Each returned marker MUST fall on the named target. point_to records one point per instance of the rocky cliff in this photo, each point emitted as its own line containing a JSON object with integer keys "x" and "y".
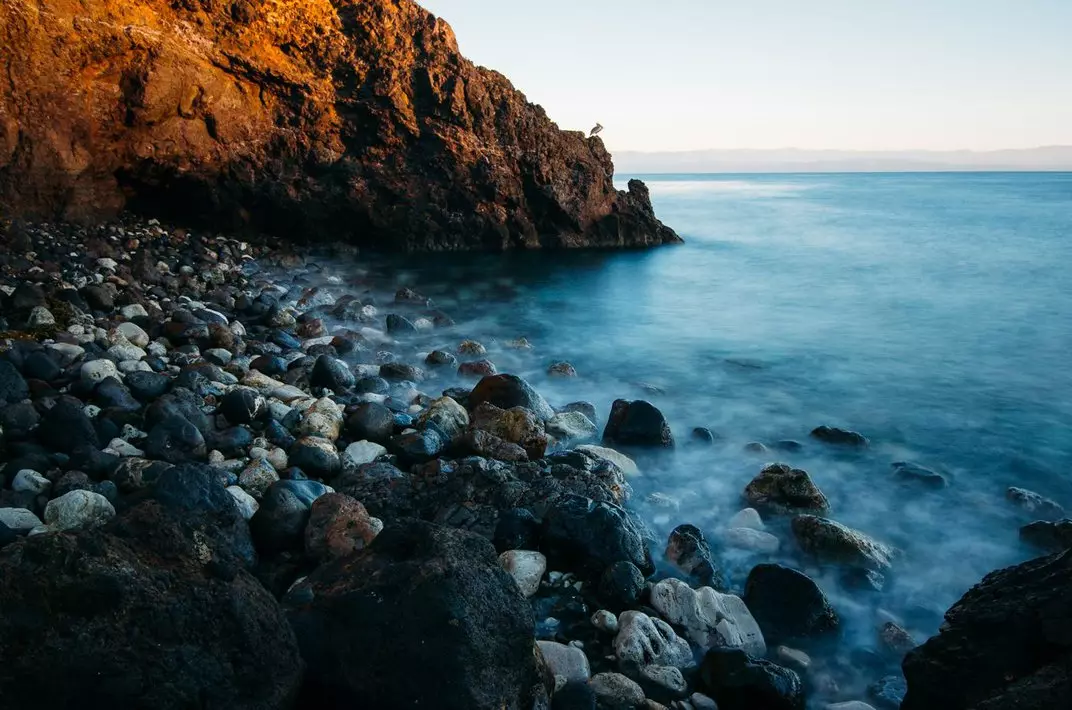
{"x": 353, "y": 120}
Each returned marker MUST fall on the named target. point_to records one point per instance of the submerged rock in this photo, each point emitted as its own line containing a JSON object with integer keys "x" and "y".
{"x": 1035, "y": 504}
{"x": 1051, "y": 536}
{"x": 687, "y": 549}
{"x": 840, "y": 437}
{"x": 739, "y": 682}
{"x": 788, "y": 604}
{"x": 1005, "y": 644}
{"x": 422, "y": 597}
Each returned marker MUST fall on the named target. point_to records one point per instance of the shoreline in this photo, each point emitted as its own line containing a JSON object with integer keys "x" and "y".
{"x": 207, "y": 419}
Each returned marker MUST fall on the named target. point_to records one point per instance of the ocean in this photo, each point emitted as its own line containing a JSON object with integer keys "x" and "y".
{"x": 930, "y": 312}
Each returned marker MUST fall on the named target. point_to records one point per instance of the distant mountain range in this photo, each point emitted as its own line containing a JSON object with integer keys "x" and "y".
{"x": 1058, "y": 157}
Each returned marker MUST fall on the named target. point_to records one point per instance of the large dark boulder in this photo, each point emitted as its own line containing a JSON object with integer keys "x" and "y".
{"x": 1048, "y": 535}
{"x": 1006, "y": 644}
{"x": 13, "y": 387}
{"x": 788, "y": 604}
{"x": 138, "y": 616}
{"x": 584, "y": 536}
{"x": 66, "y": 427}
{"x": 175, "y": 440}
{"x": 371, "y": 421}
{"x": 425, "y": 617}
{"x": 358, "y": 120}
{"x": 637, "y": 423}
{"x": 739, "y": 682}
{"x": 507, "y": 392}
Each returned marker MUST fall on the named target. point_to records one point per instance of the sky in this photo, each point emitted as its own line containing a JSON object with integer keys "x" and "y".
{"x": 845, "y": 74}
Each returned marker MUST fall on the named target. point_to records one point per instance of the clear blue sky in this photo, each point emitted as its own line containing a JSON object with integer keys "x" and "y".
{"x": 850, "y": 74}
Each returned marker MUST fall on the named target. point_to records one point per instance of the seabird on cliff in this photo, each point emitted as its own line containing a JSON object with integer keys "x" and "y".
{"x": 595, "y": 131}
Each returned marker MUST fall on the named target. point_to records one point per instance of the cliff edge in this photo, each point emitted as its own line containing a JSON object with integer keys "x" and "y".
{"x": 352, "y": 120}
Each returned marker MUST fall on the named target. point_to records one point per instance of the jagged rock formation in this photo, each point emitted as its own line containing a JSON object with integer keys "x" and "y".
{"x": 353, "y": 120}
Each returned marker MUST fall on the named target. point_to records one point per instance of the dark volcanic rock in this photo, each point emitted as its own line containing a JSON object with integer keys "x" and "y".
{"x": 1048, "y": 535}
{"x": 1006, "y": 644}
{"x": 66, "y": 427}
{"x": 393, "y": 138}
{"x": 147, "y": 386}
{"x": 242, "y": 405}
{"x": 788, "y": 605}
{"x": 587, "y": 537}
{"x": 176, "y": 440}
{"x": 687, "y": 549}
{"x": 637, "y": 423}
{"x": 136, "y": 618}
{"x": 738, "y": 682}
{"x": 620, "y": 585}
{"x": 421, "y": 597}
{"x": 508, "y": 391}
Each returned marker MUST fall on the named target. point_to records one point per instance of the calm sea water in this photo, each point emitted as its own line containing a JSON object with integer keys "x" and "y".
{"x": 931, "y": 312}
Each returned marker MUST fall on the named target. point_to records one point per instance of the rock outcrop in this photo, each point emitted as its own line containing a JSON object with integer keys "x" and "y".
{"x": 1006, "y": 644}
{"x": 349, "y": 120}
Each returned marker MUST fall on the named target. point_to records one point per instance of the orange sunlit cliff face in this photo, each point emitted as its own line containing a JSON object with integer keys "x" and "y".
{"x": 357, "y": 120}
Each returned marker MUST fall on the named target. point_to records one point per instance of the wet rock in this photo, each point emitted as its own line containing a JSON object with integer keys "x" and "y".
{"x": 788, "y": 604}
{"x": 605, "y": 621}
{"x": 315, "y": 456}
{"x": 18, "y": 420}
{"x": 644, "y": 641}
{"x": 13, "y": 387}
{"x": 709, "y": 618}
{"x": 242, "y": 405}
{"x": 446, "y": 415}
{"x": 739, "y": 682}
{"x": 78, "y": 510}
{"x": 1004, "y": 644}
{"x": 702, "y": 436}
{"x": 175, "y": 440}
{"x": 662, "y": 683}
{"x": 279, "y": 524}
{"x": 417, "y": 447}
{"x": 32, "y": 482}
{"x": 424, "y": 597}
{"x": 477, "y": 368}
{"x": 895, "y": 639}
{"x": 620, "y": 585}
{"x": 517, "y": 529}
{"x": 372, "y": 422}
{"x": 517, "y": 426}
{"x": 687, "y": 549}
{"x": 920, "y": 475}
{"x": 133, "y": 603}
{"x": 66, "y": 427}
{"x": 112, "y": 393}
{"x": 508, "y": 391}
{"x": 440, "y": 358}
{"x": 583, "y": 535}
{"x": 637, "y": 423}
{"x": 338, "y": 526}
{"x": 527, "y": 568}
{"x": 247, "y": 504}
{"x": 1034, "y": 504}
{"x": 257, "y": 477}
{"x": 322, "y": 419}
{"x": 1048, "y": 535}
{"x": 626, "y": 464}
{"x": 840, "y": 437}
{"x": 571, "y": 426}
{"x": 397, "y": 372}
{"x": 360, "y": 453}
{"x": 477, "y": 442}
{"x": 616, "y": 692}
{"x": 565, "y": 661}
{"x": 41, "y": 365}
{"x": 561, "y": 369}
{"x": 332, "y": 374}
{"x": 784, "y": 490}
{"x": 888, "y": 693}
{"x": 831, "y": 542}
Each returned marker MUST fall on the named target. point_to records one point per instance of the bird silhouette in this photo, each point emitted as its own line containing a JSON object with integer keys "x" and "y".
{"x": 595, "y": 131}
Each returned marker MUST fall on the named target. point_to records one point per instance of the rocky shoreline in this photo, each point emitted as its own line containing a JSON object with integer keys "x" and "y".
{"x": 226, "y": 487}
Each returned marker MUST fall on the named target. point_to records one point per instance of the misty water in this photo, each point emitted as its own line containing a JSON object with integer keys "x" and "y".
{"x": 930, "y": 312}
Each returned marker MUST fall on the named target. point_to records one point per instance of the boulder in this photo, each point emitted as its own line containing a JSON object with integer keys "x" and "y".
{"x": 831, "y": 542}
{"x": 840, "y": 437}
{"x": 507, "y": 392}
{"x": 242, "y": 405}
{"x": 571, "y": 426}
{"x": 257, "y": 477}
{"x": 626, "y": 464}
{"x": 1005, "y": 644}
{"x": 638, "y": 424}
{"x": 1035, "y": 504}
{"x": 316, "y": 457}
{"x": 360, "y": 453}
{"x": 621, "y": 585}
{"x": 737, "y": 681}
{"x": 784, "y": 490}
{"x": 477, "y": 442}
{"x": 687, "y": 549}
{"x": 138, "y": 617}
{"x": 13, "y": 387}
{"x": 332, "y": 374}
{"x": 751, "y": 539}
{"x": 582, "y": 535}
{"x": 78, "y": 510}
{"x": 279, "y": 524}
{"x": 565, "y": 661}
{"x": 1048, "y": 535}
{"x": 372, "y": 422}
{"x": 516, "y": 426}
{"x": 526, "y": 567}
{"x": 918, "y": 475}
{"x": 614, "y": 691}
{"x": 338, "y": 526}
{"x": 710, "y": 618}
{"x": 644, "y": 641}
{"x": 322, "y": 419}
{"x": 788, "y": 604}
{"x": 175, "y": 440}
{"x": 66, "y": 427}
{"x": 446, "y": 415}
{"x": 421, "y": 597}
